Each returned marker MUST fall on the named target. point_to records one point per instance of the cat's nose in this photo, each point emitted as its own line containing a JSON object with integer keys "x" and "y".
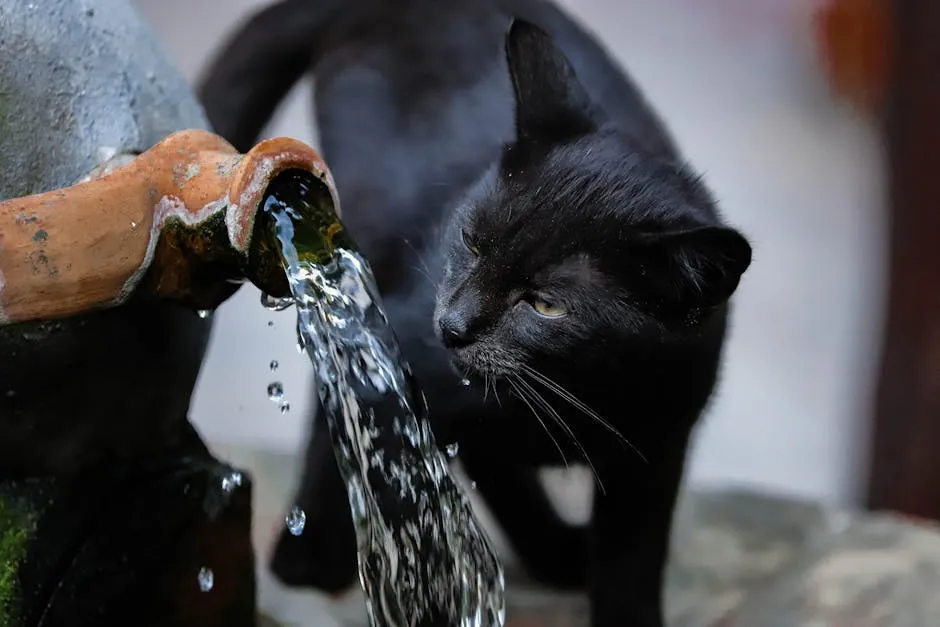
{"x": 455, "y": 331}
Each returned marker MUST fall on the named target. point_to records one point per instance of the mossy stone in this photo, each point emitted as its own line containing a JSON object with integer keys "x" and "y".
{"x": 17, "y": 525}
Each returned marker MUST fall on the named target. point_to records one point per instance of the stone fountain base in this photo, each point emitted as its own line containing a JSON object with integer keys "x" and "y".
{"x": 743, "y": 560}
{"x": 739, "y": 560}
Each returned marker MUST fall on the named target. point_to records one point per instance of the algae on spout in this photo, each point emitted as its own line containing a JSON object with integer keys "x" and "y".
{"x": 16, "y": 528}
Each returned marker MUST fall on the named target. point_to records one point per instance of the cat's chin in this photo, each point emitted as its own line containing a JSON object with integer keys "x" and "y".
{"x": 475, "y": 376}
{"x": 473, "y": 370}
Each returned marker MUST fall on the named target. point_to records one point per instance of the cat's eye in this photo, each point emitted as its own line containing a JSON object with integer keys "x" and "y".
{"x": 470, "y": 244}
{"x": 547, "y": 308}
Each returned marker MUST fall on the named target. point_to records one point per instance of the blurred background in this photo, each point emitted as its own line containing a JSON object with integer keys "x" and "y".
{"x": 742, "y": 86}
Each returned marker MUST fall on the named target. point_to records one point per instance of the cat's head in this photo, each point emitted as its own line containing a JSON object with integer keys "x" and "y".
{"x": 576, "y": 245}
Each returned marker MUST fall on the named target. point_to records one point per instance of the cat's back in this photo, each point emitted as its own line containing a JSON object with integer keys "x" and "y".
{"x": 419, "y": 89}
{"x": 411, "y": 104}
{"x": 419, "y": 46}
{"x": 414, "y": 101}
{"x": 415, "y": 75}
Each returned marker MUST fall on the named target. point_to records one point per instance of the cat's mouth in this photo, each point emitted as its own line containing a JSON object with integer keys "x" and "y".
{"x": 473, "y": 356}
{"x": 479, "y": 362}
{"x": 466, "y": 364}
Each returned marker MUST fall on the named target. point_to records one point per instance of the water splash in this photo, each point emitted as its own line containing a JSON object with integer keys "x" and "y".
{"x": 274, "y": 365}
{"x": 296, "y": 520}
{"x": 206, "y": 579}
{"x": 276, "y": 391}
{"x": 231, "y": 481}
{"x": 272, "y": 303}
{"x": 424, "y": 559}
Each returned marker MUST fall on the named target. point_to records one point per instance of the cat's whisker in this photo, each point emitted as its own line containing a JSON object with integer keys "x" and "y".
{"x": 491, "y": 383}
{"x": 513, "y": 383}
{"x": 578, "y": 404}
{"x": 561, "y": 423}
{"x": 540, "y": 401}
{"x": 425, "y": 268}
{"x": 496, "y": 393}
{"x": 424, "y": 274}
{"x": 486, "y": 387}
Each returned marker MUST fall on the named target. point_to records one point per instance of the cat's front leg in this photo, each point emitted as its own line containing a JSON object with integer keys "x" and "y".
{"x": 630, "y": 530}
{"x": 553, "y": 552}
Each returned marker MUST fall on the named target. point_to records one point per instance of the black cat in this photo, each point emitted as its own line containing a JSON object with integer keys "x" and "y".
{"x": 532, "y": 229}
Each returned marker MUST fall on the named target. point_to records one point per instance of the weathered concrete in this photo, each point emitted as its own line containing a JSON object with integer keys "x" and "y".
{"x": 81, "y": 80}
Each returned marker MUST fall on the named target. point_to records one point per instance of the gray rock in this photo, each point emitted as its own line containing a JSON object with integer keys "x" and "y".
{"x": 739, "y": 559}
{"x": 81, "y": 80}
{"x": 874, "y": 572}
{"x": 726, "y": 544}
{"x": 745, "y": 560}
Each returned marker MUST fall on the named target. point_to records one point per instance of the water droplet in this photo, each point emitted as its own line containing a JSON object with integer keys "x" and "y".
{"x": 203, "y": 313}
{"x": 301, "y": 343}
{"x": 465, "y": 382}
{"x": 452, "y": 449}
{"x": 276, "y": 391}
{"x": 276, "y": 304}
{"x": 473, "y": 485}
{"x": 274, "y": 365}
{"x": 270, "y": 323}
{"x": 231, "y": 481}
{"x": 133, "y": 225}
{"x": 285, "y": 407}
{"x": 206, "y": 579}
{"x": 296, "y": 521}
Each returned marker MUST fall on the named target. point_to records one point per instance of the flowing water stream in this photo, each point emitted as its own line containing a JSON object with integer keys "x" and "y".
{"x": 424, "y": 559}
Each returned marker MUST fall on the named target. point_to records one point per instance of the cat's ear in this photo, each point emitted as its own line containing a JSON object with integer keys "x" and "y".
{"x": 549, "y": 97}
{"x": 698, "y": 267}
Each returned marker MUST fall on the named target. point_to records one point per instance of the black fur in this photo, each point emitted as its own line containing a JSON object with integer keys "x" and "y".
{"x": 490, "y": 177}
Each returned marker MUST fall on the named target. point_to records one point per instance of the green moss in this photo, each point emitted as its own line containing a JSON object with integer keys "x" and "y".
{"x": 16, "y": 527}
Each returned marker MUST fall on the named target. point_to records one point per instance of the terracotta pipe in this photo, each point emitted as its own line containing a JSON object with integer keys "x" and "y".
{"x": 176, "y": 222}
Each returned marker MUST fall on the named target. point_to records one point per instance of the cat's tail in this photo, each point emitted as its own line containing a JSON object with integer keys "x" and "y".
{"x": 256, "y": 67}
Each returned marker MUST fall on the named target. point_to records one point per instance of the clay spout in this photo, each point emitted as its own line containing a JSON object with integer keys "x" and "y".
{"x": 176, "y": 222}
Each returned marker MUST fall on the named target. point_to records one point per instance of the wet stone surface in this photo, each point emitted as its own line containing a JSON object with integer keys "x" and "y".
{"x": 744, "y": 560}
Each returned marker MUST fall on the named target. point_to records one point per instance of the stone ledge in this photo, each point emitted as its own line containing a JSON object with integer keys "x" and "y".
{"x": 739, "y": 560}
{"x": 742, "y": 560}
